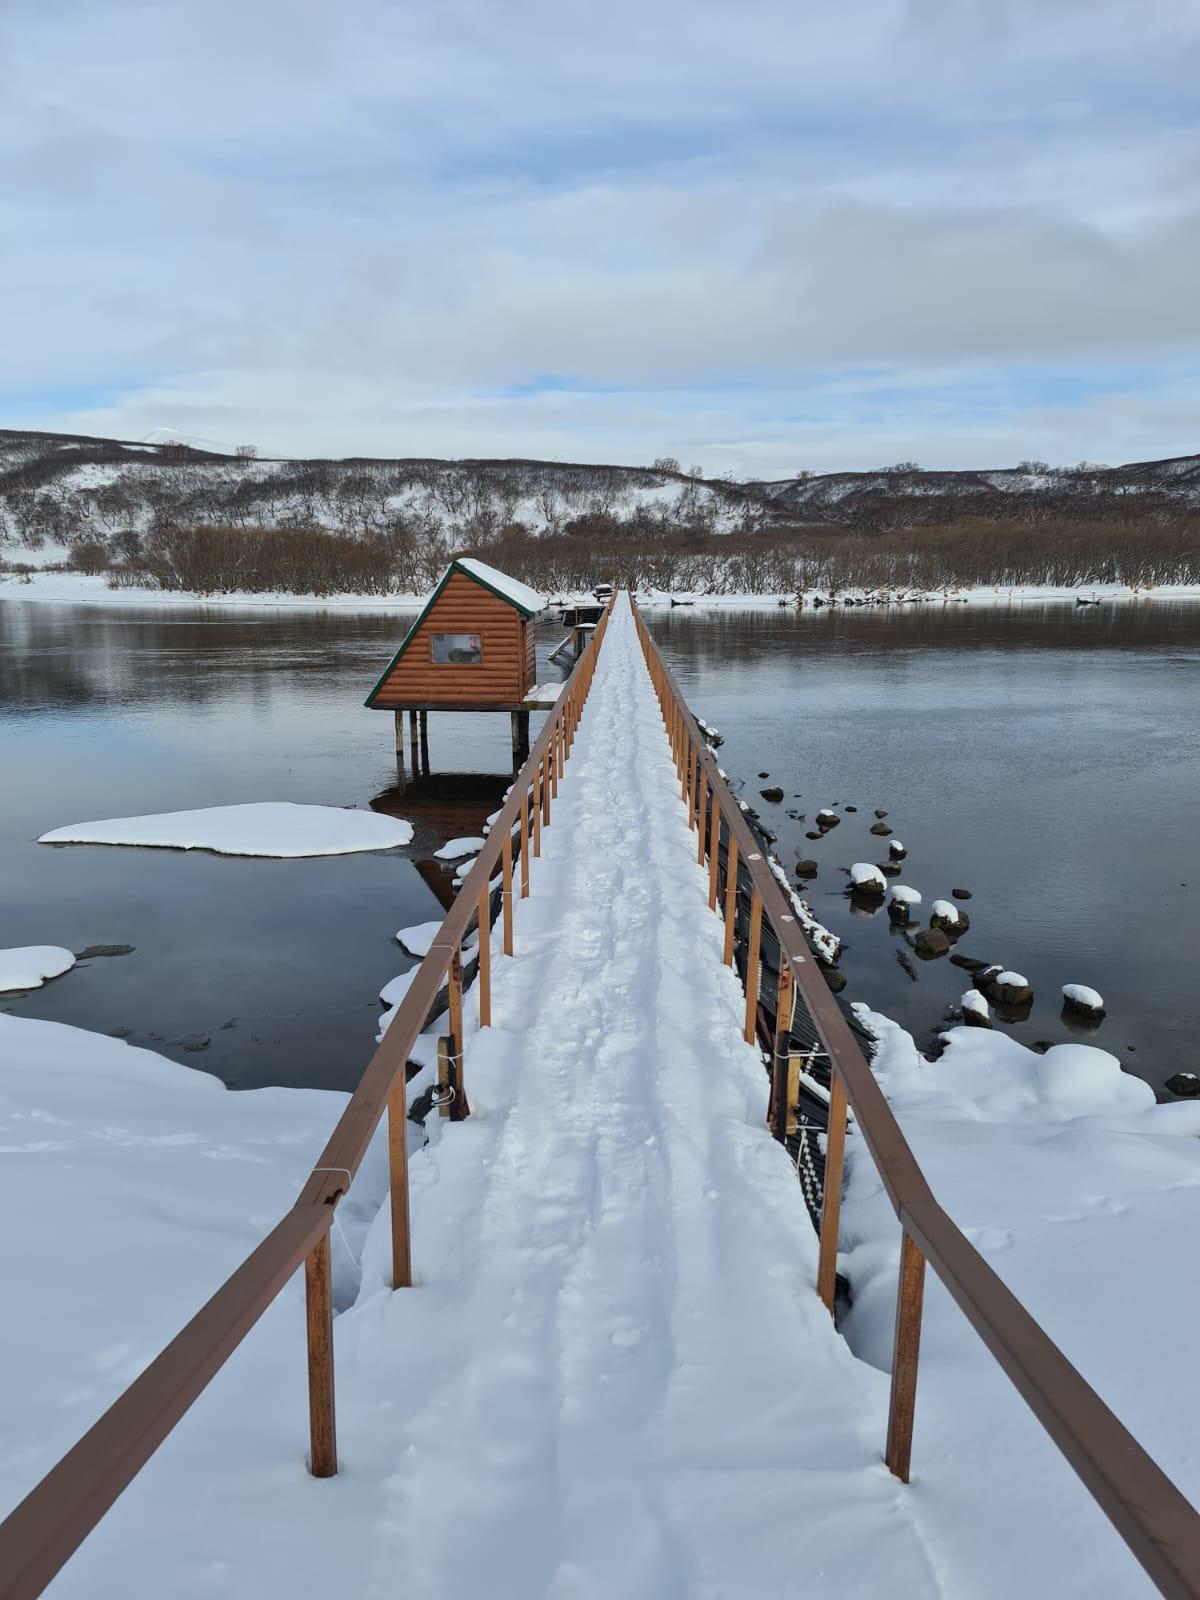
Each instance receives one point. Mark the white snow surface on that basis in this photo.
(947, 909)
(1013, 979)
(512, 588)
(28, 966)
(614, 1376)
(453, 849)
(972, 1000)
(1090, 999)
(261, 828)
(1084, 1196)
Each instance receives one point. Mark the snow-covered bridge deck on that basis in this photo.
(607, 1371)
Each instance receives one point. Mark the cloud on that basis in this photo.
(382, 228)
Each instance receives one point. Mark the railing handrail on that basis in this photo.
(1156, 1521)
(43, 1531)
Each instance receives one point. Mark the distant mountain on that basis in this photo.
(63, 488)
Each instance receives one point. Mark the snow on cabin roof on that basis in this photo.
(520, 594)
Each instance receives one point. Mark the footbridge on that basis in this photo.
(604, 1358)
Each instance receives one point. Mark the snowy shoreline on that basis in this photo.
(79, 589)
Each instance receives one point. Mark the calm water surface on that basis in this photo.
(258, 971)
(1046, 759)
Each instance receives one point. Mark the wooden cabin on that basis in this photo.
(473, 648)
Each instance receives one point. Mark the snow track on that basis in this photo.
(614, 1377)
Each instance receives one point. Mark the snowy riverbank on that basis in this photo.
(72, 588)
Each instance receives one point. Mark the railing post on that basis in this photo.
(322, 1422)
(831, 1209)
(689, 792)
(525, 846)
(714, 849)
(906, 1349)
(536, 808)
(506, 892)
(485, 957)
(731, 890)
(459, 1108)
(702, 801)
(752, 963)
(780, 1054)
(397, 1137)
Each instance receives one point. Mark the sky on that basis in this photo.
(762, 237)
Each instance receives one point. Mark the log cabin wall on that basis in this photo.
(503, 677)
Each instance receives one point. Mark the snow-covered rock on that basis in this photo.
(902, 901)
(28, 966)
(975, 1010)
(261, 828)
(867, 879)
(1078, 997)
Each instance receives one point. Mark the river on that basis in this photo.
(1047, 758)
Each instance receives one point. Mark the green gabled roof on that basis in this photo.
(472, 571)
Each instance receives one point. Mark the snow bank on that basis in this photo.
(454, 848)
(263, 828)
(27, 966)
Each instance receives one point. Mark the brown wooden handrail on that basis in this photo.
(1156, 1521)
(41, 1534)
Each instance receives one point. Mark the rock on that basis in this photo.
(851, 808)
(827, 819)
(969, 963)
(1085, 1002)
(813, 833)
(104, 950)
(895, 849)
(1186, 1083)
(764, 774)
(903, 958)
(961, 894)
(197, 1041)
(866, 880)
(975, 1010)
(1042, 1045)
(807, 868)
(1005, 988)
(949, 919)
(120, 1033)
(880, 828)
(774, 794)
(880, 814)
(931, 943)
(835, 979)
(890, 869)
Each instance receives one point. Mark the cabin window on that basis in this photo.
(457, 649)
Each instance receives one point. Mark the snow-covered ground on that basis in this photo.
(28, 966)
(614, 1377)
(260, 828)
(79, 589)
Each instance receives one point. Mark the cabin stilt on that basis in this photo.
(423, 721)
(520, 738)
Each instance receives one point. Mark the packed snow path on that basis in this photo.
(615, 1377)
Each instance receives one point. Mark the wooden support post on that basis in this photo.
(397, 1115)
(906, 1350)
(412, 742)
(781, 1053)
(544, 772)
(424, 722)
(401, 777)
(689, 789)
(714, 850)
(831, 1209)
(555, 767)
(506, 894)
(459, 1108)
(731, 892)
(702, 801)
(535, 806)
(485, 958)
(525, 846)
(322, 1421)
(752, 964)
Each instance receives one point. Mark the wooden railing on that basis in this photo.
(1155, 1520)
(41, 1533)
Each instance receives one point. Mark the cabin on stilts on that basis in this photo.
(473, 648)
